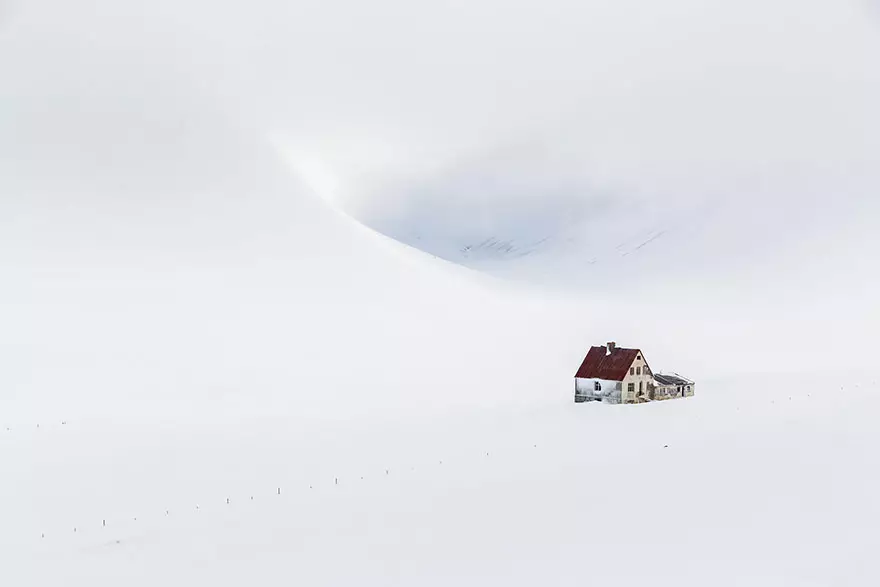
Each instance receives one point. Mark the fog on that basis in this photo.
(693, 143)
(446, 123)
(635, 92)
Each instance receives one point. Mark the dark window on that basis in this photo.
(597, 386)
(638, 370)
(641, 386)
(631, 387)
(632, 370)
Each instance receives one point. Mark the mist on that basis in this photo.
(564, 144)
(499, 113)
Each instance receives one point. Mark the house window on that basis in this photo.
(597, 386)
(638, 370)
(641, 386)
(632, 370)
(639, 357)
(631, 387)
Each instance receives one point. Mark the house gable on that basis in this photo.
(639, 367)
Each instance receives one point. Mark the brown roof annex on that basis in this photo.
(613, 366)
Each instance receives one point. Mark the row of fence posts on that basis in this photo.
(277, 492)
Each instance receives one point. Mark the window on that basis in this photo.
(631, 387)
(597, 386)
(638, 357)
(638, 370)
(641, 386)
(632, 370)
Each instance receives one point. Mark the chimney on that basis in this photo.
(610, 346)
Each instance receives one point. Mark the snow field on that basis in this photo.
(782, 484)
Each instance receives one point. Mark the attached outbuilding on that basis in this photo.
(671, 386)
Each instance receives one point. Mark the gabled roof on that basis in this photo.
(600, 364)
(664, 379)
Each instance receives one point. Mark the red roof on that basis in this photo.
(599, 364)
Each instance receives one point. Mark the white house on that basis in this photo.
(614, 375)
(622, 376)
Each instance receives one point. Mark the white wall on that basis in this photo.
(587, 387)
(671, 391)
(637, 375)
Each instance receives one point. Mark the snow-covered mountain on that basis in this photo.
(294, 292)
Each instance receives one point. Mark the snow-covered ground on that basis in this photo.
(243, 338)
(766, 482)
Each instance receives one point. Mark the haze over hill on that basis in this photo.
(265, 245)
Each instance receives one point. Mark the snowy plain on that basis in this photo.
(240, 342)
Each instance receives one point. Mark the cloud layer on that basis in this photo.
(458, 121)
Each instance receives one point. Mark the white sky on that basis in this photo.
(637, 91)
(486, 115)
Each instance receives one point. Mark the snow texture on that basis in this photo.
(241, 342)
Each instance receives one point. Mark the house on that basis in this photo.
(670, 386)
(614, 375)
(622, 376)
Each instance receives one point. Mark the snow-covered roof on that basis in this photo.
(676, 379)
